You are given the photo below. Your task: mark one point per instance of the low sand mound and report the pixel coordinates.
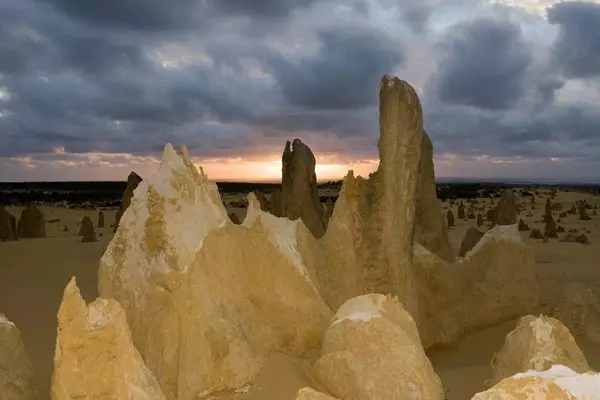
(536, 344)
(95, 358)
(557, 383)
(16, 373)
(372, 351)
(207, 300)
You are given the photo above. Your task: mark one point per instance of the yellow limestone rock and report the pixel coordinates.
(493, 282)
(537, 343)
(208, 300)
(556, 383)
(368, 244)
(16, 373)
(372, 351)
(310, 394)
(94, 357)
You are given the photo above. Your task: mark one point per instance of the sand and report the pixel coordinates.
(34, 272)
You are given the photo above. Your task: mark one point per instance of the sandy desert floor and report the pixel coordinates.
(34, 272)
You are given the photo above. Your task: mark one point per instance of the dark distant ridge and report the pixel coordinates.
(97, 194)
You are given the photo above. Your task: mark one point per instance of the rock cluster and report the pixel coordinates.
(207, 301)
(536, 234)
(8, 226)
(32, 223)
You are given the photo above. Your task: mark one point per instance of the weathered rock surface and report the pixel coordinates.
(8, 228)
(133, 180)
(86, 230)
(275, 203)
(537, 343)
(471, 238)
(580, 311)
(310, 394)
(234, 218)
(94, 356)
(372, 351)
(100, 219)
(557, 383)
(207, 300)
(429, 225)
(505, 212)
(367, 246)
(299, 192)
(32, 223)
(495, 281)
(16, 373)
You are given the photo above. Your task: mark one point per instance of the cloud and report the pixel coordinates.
(577, 50)
(484, 64)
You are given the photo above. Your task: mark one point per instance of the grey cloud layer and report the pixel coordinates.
(89, 78)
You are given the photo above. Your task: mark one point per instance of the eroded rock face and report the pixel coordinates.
(471, 238)
(505, 212)
(557, 383)
(32, 223)
(275, 203)
(372, 351)
(94, 357)
(86, 230)
(429, 225)
(299, 192)
(580, 311)
(536, 344)
(16, 373)
(367, 246)
(495, 281)
(133, 180)
(262, 200)
(208, 300)
(8, 229)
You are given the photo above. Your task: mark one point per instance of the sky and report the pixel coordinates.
(90, 90)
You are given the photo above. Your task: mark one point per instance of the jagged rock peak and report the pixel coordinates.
(95, 357)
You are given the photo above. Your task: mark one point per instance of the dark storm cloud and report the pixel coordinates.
(484, 64)
(343, 75)
(577, 49)
(260, 8)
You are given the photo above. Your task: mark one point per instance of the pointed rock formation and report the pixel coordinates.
(94, 357)
(367, 246)
(548, 211)
(65, 228)
(100, 219)
(495, 281)
(536, 234)
(133, 180)
(8, 229)
(505, 212)
(461, 211)
(450, 219)
(429, 225)
(32, 223)
(536, 344)
(372, 350)
(523, 227)
(489, 215)
(471, 238)
(86, 230)
(207, 301)
(262, 200)
(299, 192)
(16, 373)
(479, 220)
